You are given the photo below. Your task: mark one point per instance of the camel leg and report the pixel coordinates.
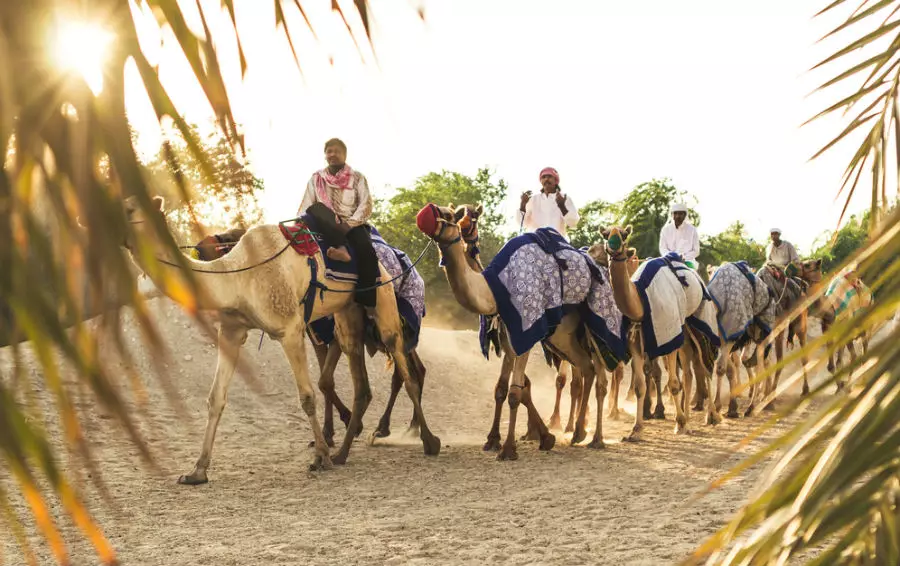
(555, 419)
(772, 381)
(732, 369)
(640, 390)
(618, 376)
(535, 422)
(706, 377)
(578, 388)
(801, 336)
(580, 433)
(349, 330)
(431, 444)
(327, 357)
(500, 391)
(508, 452)
(294, 345)
(231, 338)
(630, 394)
(600, 371)
(687, 375)
(384, 425)
(753, 365)
(677, 391)
(418, 369)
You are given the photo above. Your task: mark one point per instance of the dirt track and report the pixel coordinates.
(628, 504)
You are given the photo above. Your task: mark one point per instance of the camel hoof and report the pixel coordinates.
(555, 422)
(432, 446)
(749, 411)
(713, 419)
(196, 478)
(548, 442)
(508, 454)
(530, 436)
(380, 432)
(659, 415)
(699, 407)
(629, 396)
(579, 435)
(321, 463)
(732, 414)
(339, 459)
(633, 437)
(569, 428)
(597, 444)
(492, 445)
(412, 432)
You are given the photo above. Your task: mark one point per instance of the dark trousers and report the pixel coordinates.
(360, 240)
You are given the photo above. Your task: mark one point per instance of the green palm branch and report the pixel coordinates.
(831, 495)
(61, 225)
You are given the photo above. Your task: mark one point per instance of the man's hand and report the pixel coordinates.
(561, 202)
(526, 196)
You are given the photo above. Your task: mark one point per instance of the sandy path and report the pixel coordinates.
(628, 504)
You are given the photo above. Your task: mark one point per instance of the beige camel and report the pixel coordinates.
(629, 302)
(472, 291)
(260, 285)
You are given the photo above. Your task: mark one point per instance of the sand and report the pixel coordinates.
(390, 504)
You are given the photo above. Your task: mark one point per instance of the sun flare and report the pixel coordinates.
(82, 48)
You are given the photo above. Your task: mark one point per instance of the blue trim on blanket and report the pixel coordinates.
(523, 340)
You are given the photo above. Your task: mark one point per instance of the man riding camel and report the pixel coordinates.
(680, 236)
(549, 208)
(339, 195)
(781, 252)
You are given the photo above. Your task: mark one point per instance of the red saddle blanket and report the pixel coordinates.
(301, 240)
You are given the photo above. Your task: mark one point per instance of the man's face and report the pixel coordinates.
(335, 155)
(776, 237)
(679, 217)
(548, 182)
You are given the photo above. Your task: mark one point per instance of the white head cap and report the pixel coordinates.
(775, 231)
(679, 207)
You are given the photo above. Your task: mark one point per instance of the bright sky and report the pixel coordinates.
(710, 93)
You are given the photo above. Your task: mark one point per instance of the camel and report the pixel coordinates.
(845, 296)
(327, 354)
(746, 312)
(629, 301)
(472, 291)
(466, 216)
(260, 286)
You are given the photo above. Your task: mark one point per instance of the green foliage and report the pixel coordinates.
(733, 244)
(395, 219)
(227, 198)
(850, 238)
(647, 208)
(592, 217)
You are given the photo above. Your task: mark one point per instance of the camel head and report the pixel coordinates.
(616, 241)
(811, 270)
(601, 257)
(466, 216)
(137, 216)
(439, 224)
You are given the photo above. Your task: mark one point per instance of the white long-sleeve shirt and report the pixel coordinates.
(684, 240)
(354, 206)
(542, 211)
(783, 254)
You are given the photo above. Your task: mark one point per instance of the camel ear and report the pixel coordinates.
(819, 264)
(628, 230)
(479, 209)
(631, 252)
(604, 232)
(459, 213)
(159, 202)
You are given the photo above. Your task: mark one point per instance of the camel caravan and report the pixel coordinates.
(327, 276)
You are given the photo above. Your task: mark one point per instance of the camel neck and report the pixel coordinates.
(469, 286)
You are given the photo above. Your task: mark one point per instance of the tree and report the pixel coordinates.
(647, 208)
(592, 217)
(395, 219)
(733, 244)
(227, 198)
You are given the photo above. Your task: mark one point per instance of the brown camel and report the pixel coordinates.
(261, 284)
(466, 216)
(472, 291)
(629, 302)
